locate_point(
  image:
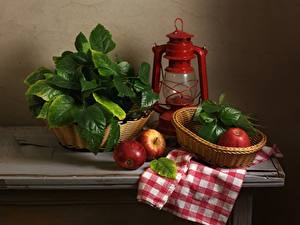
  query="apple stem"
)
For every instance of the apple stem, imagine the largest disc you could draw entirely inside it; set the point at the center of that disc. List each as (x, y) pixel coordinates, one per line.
(155, 140)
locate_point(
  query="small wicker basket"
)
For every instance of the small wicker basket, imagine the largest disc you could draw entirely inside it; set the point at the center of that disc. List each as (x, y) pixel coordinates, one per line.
(69, 137)
(216, 155)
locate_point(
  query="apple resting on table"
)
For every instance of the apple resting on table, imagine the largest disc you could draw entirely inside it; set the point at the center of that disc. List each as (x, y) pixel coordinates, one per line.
(130, 154)
(154, 143)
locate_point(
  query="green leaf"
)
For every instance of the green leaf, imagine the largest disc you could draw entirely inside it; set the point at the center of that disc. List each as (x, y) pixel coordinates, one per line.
(36, 75)
(148, 99)
(56, 59)
(229, 116)
(60, 111)
(114, 135)
(58, 81)
(81, 58)
(124, 67)
(90, 73)
(35, 104)
(221, 99)
(43, 90)
(120, 84)
(66, 68)
(211, 132)
(101, 40)
(110, 106)
(91, 126)
(81, 43)
(44, 111)
(196, 116)
(205, 117)
(245, 124)
(105, 66)
(211, 107)
(88, 85)
(66, 53)
(164, 167)
(140, 86)
(143, 73)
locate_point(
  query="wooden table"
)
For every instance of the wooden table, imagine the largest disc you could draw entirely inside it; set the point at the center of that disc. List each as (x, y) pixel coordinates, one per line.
(43, 183)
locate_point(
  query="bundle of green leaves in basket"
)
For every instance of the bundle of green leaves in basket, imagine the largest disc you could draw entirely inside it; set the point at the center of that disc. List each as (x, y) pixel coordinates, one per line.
(89, 89)
(217, 117)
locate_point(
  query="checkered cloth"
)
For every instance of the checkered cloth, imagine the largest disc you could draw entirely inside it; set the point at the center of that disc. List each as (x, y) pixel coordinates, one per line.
(199, 193)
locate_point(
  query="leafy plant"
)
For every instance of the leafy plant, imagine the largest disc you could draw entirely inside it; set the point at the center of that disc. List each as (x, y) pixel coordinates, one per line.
(91, 90)
(164, 167)
(216, 118)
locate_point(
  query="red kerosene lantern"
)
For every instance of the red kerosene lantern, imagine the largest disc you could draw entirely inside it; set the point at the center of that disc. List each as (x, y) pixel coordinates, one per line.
(179, 85)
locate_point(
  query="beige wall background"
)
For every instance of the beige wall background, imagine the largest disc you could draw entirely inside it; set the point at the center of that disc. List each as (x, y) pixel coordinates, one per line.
(253, 57)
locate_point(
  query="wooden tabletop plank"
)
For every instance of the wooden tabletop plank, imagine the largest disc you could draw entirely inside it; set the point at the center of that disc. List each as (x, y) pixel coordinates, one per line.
(31, 158)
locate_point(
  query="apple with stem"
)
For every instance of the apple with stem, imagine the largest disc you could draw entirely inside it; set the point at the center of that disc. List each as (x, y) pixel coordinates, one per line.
(154, 143)
(130, 154)
(235, 137)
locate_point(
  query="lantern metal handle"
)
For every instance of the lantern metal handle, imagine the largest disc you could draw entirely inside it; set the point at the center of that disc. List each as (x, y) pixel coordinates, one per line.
(201, 56)
(175, 23)
(158, 51)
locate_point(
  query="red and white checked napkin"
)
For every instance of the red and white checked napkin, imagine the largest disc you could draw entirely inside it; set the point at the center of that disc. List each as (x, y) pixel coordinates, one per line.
(199, 193)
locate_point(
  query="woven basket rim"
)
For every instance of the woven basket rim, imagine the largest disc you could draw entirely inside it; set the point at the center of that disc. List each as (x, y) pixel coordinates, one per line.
(215, 147)
(119, 122)
(129, 127)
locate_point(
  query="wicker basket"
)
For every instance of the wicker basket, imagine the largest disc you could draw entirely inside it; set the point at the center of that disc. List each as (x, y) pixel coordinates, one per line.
(214, 154)
(69, 137)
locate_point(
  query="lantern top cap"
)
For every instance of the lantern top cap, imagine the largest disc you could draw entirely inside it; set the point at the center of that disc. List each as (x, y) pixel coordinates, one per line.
(179, 33)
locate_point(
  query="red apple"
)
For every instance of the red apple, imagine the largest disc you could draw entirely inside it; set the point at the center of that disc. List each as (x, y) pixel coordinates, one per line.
(154, 143)
(130, 154)
(234, 137)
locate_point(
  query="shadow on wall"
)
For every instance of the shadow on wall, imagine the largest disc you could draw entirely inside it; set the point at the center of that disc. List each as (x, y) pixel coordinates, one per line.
(253, 58)
(21, 59)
